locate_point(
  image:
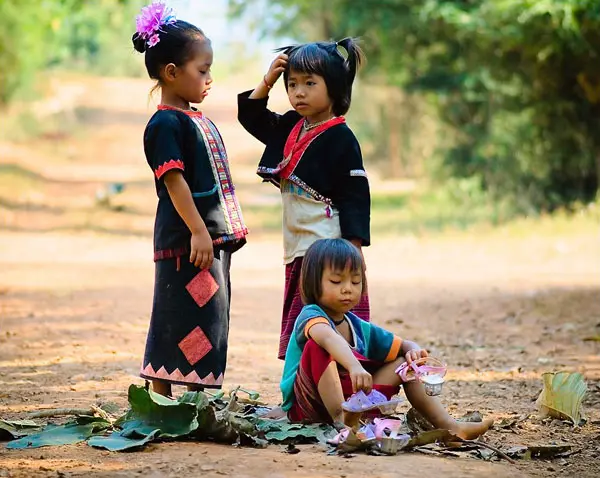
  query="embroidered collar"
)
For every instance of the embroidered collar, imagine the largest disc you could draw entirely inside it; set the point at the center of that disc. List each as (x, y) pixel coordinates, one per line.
(193, 112)
(294, 148)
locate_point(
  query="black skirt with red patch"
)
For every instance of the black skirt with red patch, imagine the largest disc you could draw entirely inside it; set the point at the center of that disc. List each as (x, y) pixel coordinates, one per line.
(187, 338)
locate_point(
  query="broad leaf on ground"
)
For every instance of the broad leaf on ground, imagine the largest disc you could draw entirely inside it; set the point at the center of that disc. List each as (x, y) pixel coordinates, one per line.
(150, 411)
(562, 395)
(67, 434)
(117, 442)
(11, 429)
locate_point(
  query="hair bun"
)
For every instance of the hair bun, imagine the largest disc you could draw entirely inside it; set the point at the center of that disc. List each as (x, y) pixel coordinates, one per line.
(139, 43)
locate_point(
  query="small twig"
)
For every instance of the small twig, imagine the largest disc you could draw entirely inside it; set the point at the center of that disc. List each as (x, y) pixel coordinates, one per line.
(247, 401)
(61, 412)
(489, 447)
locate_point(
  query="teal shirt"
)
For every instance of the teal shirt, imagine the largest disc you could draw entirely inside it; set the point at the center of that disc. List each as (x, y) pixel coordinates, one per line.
(371, 341)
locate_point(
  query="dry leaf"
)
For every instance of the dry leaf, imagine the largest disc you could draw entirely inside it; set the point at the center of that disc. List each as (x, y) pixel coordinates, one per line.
(562, 395)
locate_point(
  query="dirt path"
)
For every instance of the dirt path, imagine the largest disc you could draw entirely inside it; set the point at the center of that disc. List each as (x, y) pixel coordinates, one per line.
(500, 307)
(74, 313)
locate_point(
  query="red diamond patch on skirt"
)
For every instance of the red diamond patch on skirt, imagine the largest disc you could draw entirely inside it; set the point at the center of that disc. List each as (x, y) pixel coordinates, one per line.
(195, 345)
(202, 287)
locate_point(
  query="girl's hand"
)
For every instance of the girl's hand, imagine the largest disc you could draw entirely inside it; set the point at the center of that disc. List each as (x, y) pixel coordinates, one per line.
(202, 253)
(415, 354)
(276, 69)
(361, 379)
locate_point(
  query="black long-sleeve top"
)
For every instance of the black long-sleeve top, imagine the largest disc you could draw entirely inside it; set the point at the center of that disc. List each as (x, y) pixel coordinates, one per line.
(331, 169)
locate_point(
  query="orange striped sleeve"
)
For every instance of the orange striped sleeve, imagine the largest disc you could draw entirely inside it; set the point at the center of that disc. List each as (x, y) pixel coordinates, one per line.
(315, 321)
(394, 349)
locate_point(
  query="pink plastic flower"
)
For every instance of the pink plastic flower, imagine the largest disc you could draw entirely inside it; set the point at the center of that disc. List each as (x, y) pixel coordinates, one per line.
(153, 40)
(151, 19)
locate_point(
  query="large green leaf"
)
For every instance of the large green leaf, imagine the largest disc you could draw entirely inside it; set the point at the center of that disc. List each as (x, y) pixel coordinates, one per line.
(11, 429)
(150, 411)
(68, 434)
(198, 399)
(117, 442)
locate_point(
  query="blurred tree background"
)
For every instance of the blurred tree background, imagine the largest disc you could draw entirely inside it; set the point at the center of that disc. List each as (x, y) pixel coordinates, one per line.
(497, 101)
(489, 106)
(74, 34)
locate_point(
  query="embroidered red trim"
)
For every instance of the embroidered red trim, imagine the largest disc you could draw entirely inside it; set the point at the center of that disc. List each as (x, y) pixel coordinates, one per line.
(163, 254)
(172, 164)
(294, 149)
(195, 113)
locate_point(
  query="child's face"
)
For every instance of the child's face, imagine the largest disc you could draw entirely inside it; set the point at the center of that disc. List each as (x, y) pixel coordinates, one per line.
(308, 94)
(192, 80)
(342, 290)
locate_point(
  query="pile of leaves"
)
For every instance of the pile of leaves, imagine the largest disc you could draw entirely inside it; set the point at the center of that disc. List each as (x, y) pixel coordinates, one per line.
(199, 416)
(152, 417)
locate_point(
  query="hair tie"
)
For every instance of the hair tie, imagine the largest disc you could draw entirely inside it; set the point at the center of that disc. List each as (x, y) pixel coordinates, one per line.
(151, 19)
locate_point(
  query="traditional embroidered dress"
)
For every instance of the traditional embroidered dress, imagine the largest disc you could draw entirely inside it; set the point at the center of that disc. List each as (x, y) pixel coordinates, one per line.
(187, 339)
(324, 190)
(306, 361)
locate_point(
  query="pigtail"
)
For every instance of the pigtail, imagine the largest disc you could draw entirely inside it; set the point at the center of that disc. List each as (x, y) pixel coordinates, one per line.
(285, 49)
(355, 57)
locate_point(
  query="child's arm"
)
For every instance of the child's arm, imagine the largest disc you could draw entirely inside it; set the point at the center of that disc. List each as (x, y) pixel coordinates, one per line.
(253, 113)
(412, 351)
(352, 194)
(275, 70)
(201, 246)
(339, 349)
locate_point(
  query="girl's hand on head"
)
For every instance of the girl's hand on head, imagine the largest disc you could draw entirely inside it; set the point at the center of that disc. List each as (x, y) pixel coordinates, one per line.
(361, 379)
(276, 69)
(415, 354)
(202, 254)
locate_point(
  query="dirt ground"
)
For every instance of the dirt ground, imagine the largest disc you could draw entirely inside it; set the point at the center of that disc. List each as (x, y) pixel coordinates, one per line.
(501, 307)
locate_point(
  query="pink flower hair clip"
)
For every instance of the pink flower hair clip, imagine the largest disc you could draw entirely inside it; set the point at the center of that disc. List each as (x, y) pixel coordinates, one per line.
(151, 19)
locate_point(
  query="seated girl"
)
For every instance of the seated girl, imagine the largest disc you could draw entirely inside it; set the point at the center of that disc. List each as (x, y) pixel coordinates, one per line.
(334, 354)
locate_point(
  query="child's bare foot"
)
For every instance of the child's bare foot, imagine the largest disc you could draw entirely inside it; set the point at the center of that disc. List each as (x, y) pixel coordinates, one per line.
(471, 430)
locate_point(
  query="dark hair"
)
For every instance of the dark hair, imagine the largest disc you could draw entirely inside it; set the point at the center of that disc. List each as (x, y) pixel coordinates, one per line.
(175, 46)
(337, 254)
(326, 60)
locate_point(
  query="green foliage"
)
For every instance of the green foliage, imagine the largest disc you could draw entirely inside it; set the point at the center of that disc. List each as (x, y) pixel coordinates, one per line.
(96, 37)
(25, 35)
(196, 416)
(34, 35)
(515, 82)
(150, 412)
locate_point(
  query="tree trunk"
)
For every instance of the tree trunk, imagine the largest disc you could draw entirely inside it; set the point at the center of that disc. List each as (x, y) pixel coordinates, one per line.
(395, 158)
(598, 176)
(326, 21)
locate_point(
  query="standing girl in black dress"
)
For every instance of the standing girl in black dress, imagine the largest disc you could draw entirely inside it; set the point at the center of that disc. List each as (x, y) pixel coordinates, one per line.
(198, 220)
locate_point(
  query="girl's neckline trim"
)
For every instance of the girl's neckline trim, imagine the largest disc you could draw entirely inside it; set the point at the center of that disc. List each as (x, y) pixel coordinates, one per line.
(193, 112)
